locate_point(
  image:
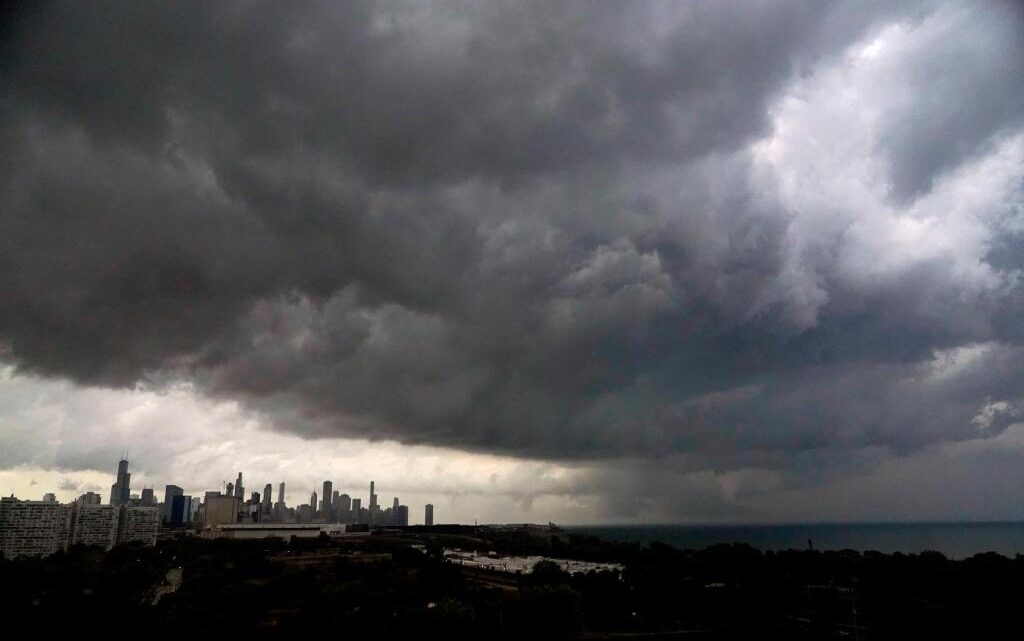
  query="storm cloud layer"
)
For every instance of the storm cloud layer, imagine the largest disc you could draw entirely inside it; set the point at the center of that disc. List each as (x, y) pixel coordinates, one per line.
(727, 236)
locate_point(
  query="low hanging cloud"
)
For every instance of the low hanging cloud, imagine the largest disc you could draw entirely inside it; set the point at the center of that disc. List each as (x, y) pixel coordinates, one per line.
(739, 236)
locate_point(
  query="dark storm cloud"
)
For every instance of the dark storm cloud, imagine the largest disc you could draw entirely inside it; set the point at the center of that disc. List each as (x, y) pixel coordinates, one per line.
(537, 230)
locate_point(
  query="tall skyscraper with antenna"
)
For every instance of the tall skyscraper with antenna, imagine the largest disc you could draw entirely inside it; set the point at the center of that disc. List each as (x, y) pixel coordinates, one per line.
(120, 491)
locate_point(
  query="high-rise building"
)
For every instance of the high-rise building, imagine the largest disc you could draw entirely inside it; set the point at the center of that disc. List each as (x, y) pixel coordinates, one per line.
(32, 528)
(344, 503)
(120, 491)
(402, 515)
(252, 508)
(428, 515)
(312, 501)
(372, 511)
(230, 489)
(394, 506)
(305, 514)
(220, 508)
(89, 498)
(148, 500)
(94, 525)
(170, 491)
(181, 511)
(268, 491)
(50, 497)
(356, 509)
(280, 509)
(328, 495)
(239, 490)
(138, 525)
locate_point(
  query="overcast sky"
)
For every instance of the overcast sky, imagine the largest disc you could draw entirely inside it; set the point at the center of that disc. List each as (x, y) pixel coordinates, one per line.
(570, 261)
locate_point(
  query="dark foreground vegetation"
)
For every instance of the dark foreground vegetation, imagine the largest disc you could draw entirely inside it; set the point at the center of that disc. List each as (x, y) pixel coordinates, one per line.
(383, 588)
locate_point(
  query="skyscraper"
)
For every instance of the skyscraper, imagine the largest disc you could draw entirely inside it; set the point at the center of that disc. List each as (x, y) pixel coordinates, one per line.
(148, 500)
(343, 508)
(280, 509)
(325, 513)
(120, 491)
(372, 508)
(180, 511)
(239, 490)
(428, 515)
(170, 491)
(268, 491)
(312, 500)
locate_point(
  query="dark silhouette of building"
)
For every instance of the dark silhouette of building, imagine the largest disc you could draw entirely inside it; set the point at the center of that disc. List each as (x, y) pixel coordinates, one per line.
(371, 516)
(170, 491)
(325, 510)
(181, 510)
(120, 491)
(344, 508)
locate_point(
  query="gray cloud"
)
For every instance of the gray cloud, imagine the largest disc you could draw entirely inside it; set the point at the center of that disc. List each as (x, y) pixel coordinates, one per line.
(979, 66)
(546, 230)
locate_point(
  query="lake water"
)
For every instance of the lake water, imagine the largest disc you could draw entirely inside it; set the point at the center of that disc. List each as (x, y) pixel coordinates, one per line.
(955, 540)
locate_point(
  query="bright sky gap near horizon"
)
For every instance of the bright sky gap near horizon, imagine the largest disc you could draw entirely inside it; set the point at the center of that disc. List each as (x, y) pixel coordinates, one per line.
(570, 261)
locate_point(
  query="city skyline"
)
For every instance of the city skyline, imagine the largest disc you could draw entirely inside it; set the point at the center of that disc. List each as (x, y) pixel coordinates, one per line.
(224, 506)
(663, 262)
(170, 490)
